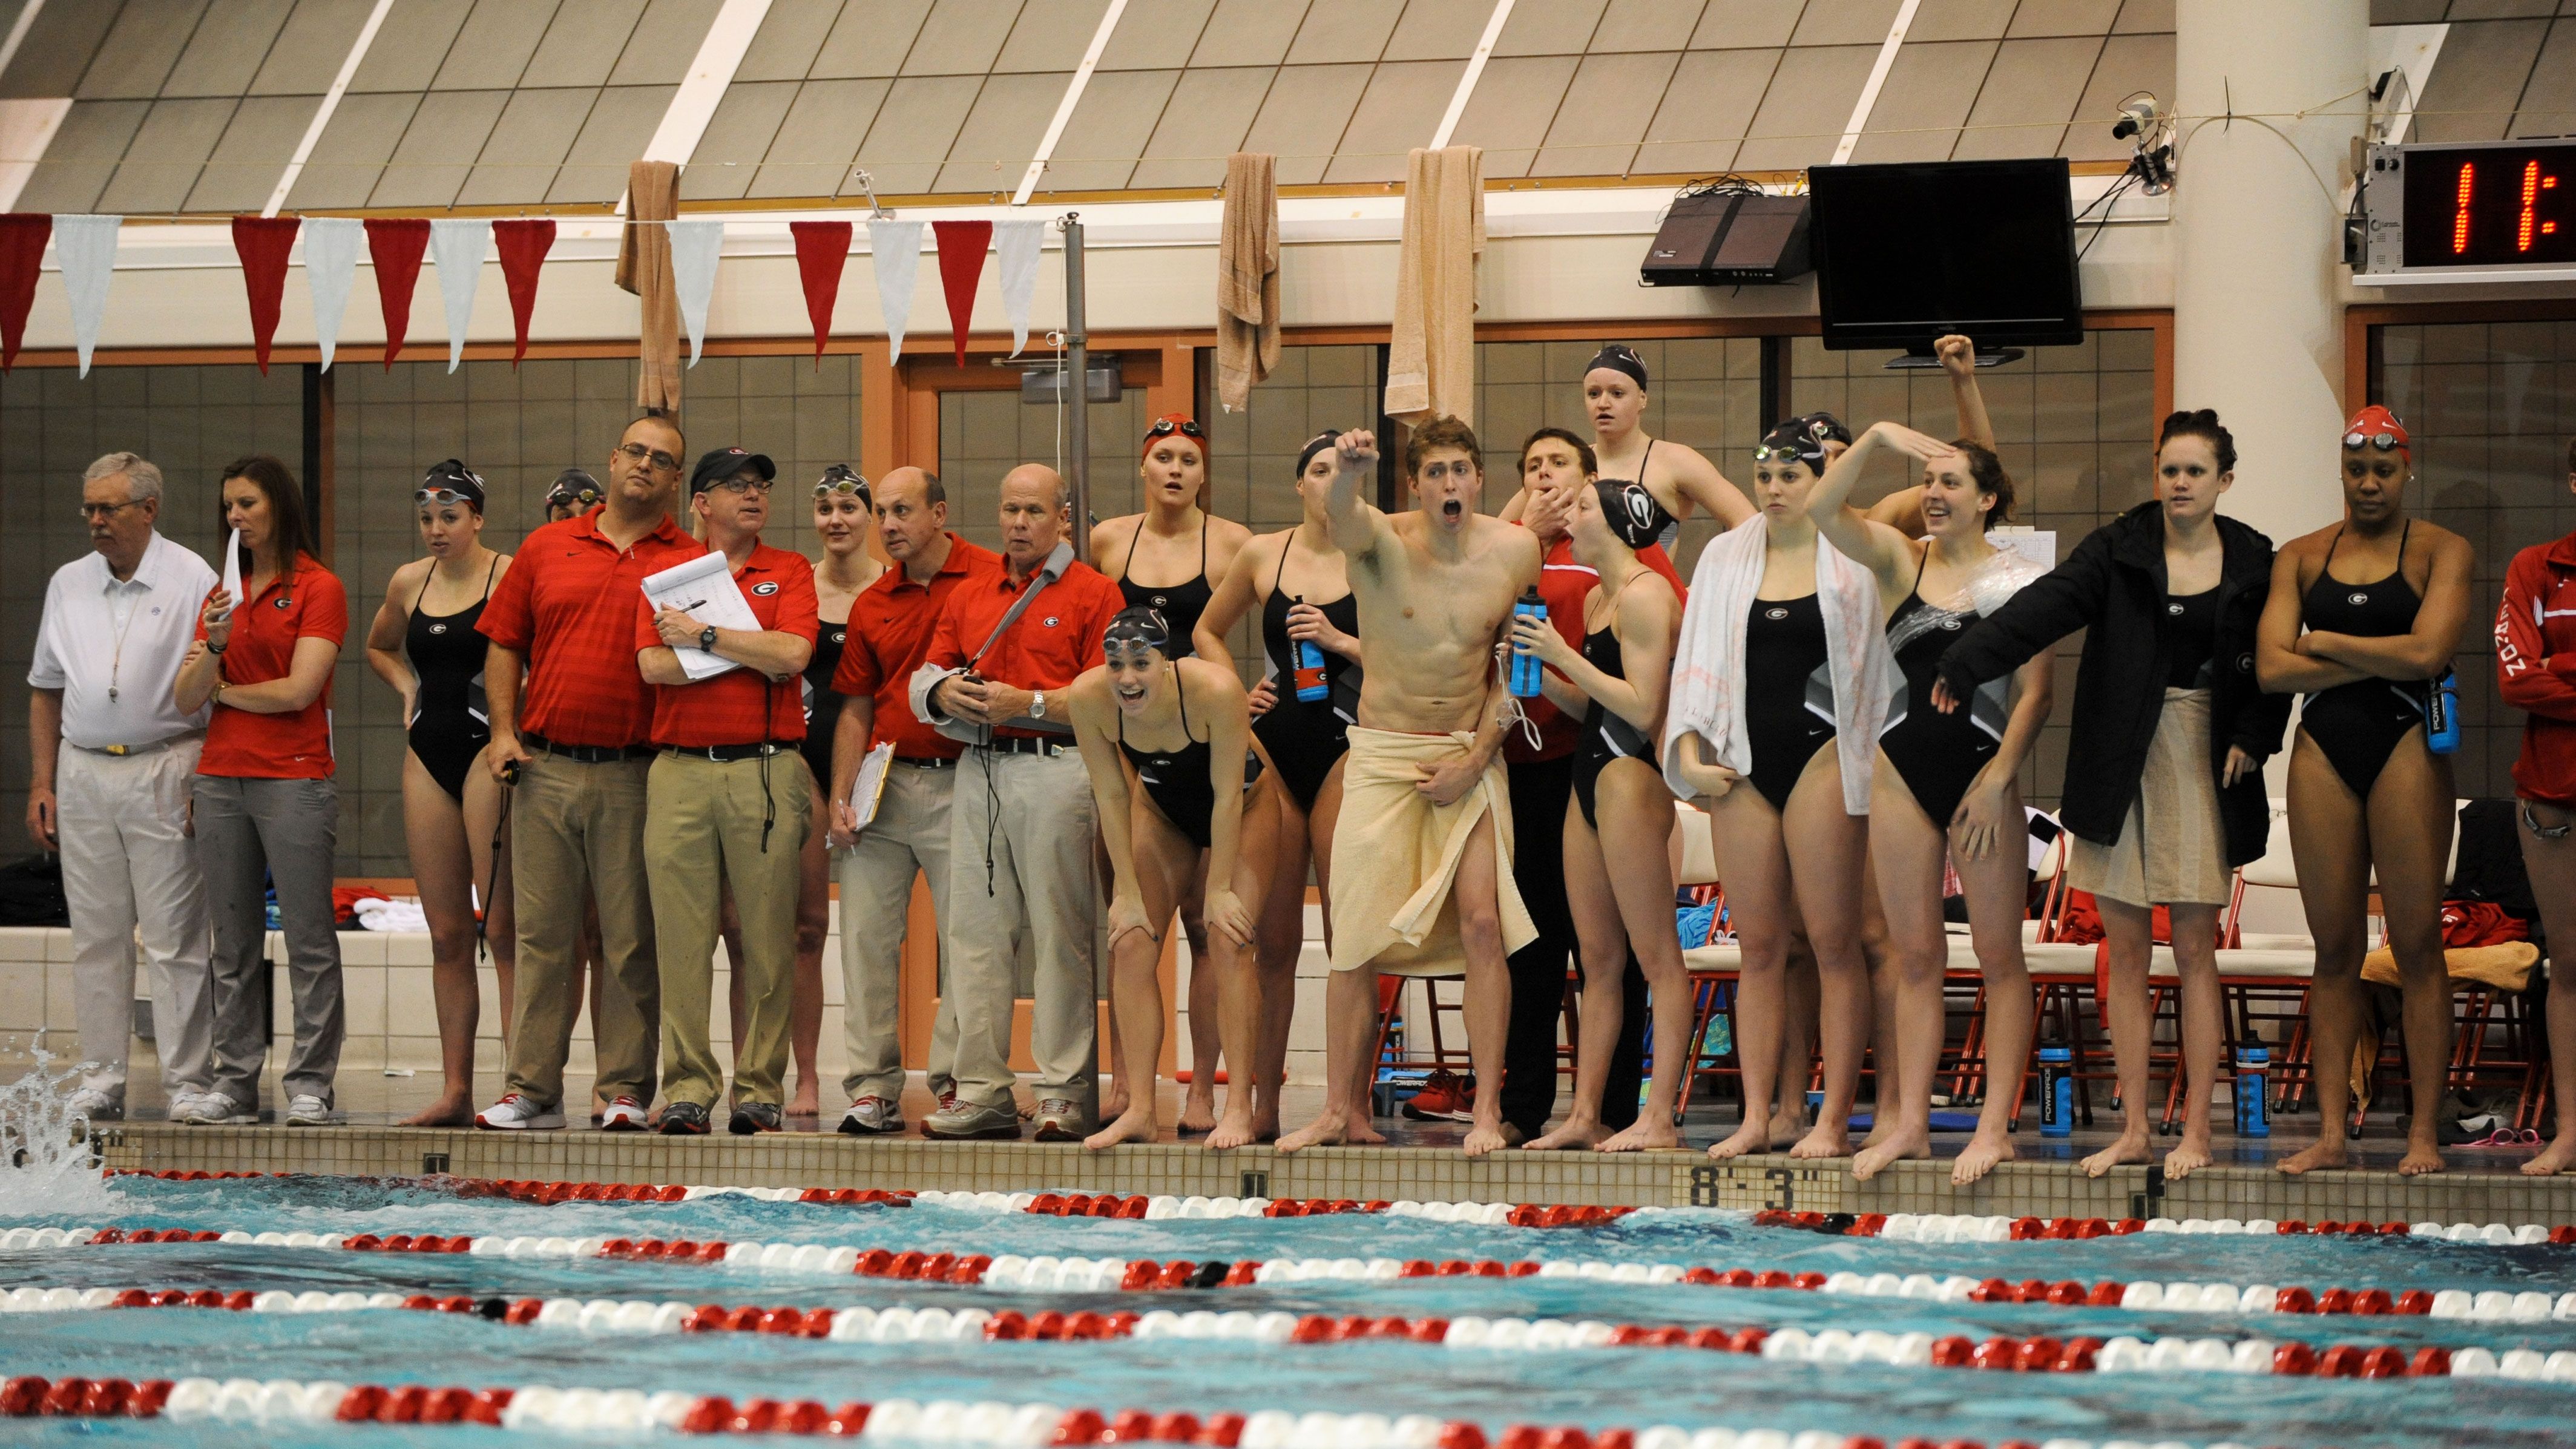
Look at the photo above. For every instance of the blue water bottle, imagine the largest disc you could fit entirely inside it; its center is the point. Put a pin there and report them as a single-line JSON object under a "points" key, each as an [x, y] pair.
{"points": [[1312, 687], [2253, 1071], [2442, 714], [2056, 1086], [1525, 665]]}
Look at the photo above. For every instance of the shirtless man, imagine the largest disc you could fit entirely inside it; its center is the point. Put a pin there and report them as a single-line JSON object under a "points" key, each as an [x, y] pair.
{"points": [[1426, 828]]}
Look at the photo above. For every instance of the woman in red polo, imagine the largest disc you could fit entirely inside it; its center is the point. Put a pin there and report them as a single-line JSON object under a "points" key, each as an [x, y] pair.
{"points": [[266, 809]]}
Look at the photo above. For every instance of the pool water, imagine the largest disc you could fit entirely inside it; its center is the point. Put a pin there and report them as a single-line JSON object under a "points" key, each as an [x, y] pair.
{"points": [[1494, 1387]]}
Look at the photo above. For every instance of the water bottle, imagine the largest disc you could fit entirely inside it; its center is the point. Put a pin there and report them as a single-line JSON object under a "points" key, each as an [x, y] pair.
{"points": [[1311, 688], [1525, 665], [2056, 1086], [2442, 714], [2253, 1071]]}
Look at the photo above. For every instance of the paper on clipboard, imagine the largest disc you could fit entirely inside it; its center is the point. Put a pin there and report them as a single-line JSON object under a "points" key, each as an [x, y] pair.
{"points": [[704, 589], [869, 787], [232, 569]]}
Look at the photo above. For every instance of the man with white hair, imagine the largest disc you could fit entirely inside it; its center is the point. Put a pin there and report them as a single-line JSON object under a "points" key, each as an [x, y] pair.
{"points": [[113, 756]]}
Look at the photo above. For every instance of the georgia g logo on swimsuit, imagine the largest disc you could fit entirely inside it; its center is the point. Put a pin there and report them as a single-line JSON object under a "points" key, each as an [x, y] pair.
{"points": [[2173, 611], [1775, 613], [840, 636], [765, 590], [1953, 624], [2357, 597], [2244, 663], [438, 628]]}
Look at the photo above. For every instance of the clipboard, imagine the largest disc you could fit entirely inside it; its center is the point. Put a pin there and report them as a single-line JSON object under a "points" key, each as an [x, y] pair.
{"points": [[869, 787], [705, 588]]}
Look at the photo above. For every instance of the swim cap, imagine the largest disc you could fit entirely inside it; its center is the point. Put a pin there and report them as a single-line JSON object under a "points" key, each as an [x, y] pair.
{"points": [[2378, 427], [1137, 628], [1170, 423], [1617, 357], [449, 480], [1320, 443], [1792, 441], [1629, 510]]}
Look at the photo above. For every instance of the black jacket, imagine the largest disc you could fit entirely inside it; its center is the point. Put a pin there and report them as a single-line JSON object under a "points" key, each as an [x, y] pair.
{"points": [[2114, 585]]}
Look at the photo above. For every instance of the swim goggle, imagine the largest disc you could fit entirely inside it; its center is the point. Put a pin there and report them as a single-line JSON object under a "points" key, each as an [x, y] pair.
{"points": [[449, 482], [2381, 441], [578, 497], [1785, 452], [1164, 427], [840, 479], [445, 496]]}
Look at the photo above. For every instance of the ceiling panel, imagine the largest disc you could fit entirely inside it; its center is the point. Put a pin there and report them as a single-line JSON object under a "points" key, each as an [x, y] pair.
{"points": [[2129, 63], [1248, 32], [1845, 22], [61, 41], [1001, 133], [2475, 80], [444, 136], [530, 140], [83, 156], [1804, 112], [1208, 116], [139, 49], [230, 43], [349, 159], [1936, 20], [310, 50], [1615, 97], [1748, 24], [666, 39], [961, 37], [1052, 36], [871, 38], [810, 156], [1515, 101], [610, 140], [494, 46], [1562, 28], [1110, 127], [2063, 17], [914, 129], [1303, 118], [736, 138], [583, 42], [1705, 110], [160, 166], [2142, 17], [413, 42], [1647, 25], [256, 146], [784, 46], [1156, 34], [1439, 29], [1924, 101], [2548, 104], [1339, 31], [2028, 97], [1400, 109]]}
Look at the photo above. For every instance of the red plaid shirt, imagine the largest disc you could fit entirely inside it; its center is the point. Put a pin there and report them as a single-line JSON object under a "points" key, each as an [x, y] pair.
{"points": [[567, 605]]}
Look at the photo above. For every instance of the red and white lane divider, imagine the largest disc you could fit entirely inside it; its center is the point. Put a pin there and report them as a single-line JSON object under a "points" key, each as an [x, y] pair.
{"points": [[1961, 1228], [290, 1402], [2493, 1306]]}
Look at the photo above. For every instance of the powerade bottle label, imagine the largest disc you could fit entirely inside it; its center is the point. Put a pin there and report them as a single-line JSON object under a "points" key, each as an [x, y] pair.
{"points": [[1525, 666], [2442, 714], [2056, 1093], [1311, 688], [2253, 1072]]}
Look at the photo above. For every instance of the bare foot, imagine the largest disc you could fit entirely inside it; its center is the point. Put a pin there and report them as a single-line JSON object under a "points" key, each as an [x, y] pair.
{"points": [[456, 1109], [2324, 1152], [1823, 1140], [1325, 1131], [1486, 1137], [1750, 1138], [1360, 1131], [1899, 1145], [1112, 1107], [1265, 1121], [1513, 1136], [2555, 1158], [2420, 1158], [1651, 1132], [1126, 1127], [1979, 1158], [1577, 1133], [1198, 1110], [1235, 1129], [806, 1102], [2190, 1157], [1786, 1129], [2132, 1147]]}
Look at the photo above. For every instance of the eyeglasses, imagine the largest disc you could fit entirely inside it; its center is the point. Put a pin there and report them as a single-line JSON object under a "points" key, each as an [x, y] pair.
{"points": [[1165, 427], [2381, 441], [839, 479], [739, 485], [637, 453], [100, 512], [444, 496]]}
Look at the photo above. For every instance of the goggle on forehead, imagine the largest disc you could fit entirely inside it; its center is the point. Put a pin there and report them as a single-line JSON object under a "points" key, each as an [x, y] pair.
{"points": [[839, 478], [1788, 452], [2382, 441]]}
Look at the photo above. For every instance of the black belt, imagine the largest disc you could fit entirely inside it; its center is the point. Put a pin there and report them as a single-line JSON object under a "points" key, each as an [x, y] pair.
{"points": [[1016, 745], [585, 754], [927, 762], [727, 754]]}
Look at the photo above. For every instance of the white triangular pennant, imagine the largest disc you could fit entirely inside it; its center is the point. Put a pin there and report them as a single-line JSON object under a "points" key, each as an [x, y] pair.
{"points": [[458, 246], [894, 249], [695, 246], [331, 246], [1016, 244], [85, 249]]}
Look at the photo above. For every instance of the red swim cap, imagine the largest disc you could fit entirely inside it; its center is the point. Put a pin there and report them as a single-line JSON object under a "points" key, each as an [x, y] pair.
{"points": [[2378, 427], [1171, 423]]}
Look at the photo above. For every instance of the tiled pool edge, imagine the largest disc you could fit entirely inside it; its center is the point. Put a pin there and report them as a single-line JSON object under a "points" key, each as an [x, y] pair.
{"points": [[1667, 1179]]}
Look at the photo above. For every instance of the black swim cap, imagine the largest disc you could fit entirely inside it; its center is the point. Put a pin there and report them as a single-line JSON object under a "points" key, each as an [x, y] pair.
{"points": [[450, 480], [1629, 510], [1619, 358], [1321, 442], [1139, 626]]}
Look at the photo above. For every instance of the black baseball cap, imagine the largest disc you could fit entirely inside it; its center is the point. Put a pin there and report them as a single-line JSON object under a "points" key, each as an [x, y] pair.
{"points": [[723, 463]]}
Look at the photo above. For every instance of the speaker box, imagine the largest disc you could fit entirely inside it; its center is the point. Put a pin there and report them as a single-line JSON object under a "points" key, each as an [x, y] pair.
{"points": [[1713, 239]]}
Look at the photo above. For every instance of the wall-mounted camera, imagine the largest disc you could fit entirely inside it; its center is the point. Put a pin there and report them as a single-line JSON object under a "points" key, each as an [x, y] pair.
{"points": [[2149, 132]]}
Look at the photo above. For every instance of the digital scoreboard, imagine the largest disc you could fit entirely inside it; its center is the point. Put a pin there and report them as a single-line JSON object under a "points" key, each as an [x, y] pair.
{"points": [[2474, 211]]}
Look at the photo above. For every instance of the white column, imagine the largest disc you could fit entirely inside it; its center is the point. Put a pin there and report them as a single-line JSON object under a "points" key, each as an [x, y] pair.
{"points": [[2257, 219]]}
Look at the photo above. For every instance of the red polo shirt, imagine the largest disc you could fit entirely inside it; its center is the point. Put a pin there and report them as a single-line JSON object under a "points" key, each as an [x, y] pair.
{"points": [[1562, 583], [306, 602], [740, 706], [890, 628], [567, 606], [1048, 646]]}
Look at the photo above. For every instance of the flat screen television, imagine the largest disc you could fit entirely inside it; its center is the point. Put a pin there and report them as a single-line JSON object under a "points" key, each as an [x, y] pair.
{"points": [[1907, 252]]}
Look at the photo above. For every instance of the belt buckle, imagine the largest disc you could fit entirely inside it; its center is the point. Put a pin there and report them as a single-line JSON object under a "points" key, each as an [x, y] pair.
{"points": [[116, 749]]}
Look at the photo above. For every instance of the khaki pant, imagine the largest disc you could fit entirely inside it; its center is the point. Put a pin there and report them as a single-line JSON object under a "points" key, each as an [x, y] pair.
{"points": [[577, 834], [909, 837], [1031, 817], [703, 829], [130, 871]]}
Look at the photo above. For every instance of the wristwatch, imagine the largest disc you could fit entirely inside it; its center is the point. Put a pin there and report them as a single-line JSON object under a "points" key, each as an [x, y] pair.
{"points": [[1037, 705], [707, 638]]}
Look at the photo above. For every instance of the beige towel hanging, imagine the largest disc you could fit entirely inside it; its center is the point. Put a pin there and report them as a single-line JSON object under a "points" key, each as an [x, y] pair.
{"points": [[1247, 278], [644, 268], [1431, 364]]}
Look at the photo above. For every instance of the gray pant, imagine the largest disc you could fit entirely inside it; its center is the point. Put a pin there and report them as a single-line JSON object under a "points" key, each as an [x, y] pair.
{"points": [[909, 837], [129, 871], [250, 832], [1032, 817]]}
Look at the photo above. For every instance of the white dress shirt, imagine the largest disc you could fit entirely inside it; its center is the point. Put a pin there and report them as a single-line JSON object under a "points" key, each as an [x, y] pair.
{"points": [[113, 647]]}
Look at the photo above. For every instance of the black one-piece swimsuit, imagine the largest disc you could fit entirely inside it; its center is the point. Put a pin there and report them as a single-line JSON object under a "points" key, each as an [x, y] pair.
{"points": [[1305, 737], [2359, 725], [451, 726], [1789, 702], [1939, 755], [1177, 781], [822, 705], [1180, 604]]}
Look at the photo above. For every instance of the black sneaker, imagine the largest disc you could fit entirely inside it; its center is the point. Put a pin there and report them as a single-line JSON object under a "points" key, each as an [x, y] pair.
{"points": [[683, 1119], [752, 1117]]}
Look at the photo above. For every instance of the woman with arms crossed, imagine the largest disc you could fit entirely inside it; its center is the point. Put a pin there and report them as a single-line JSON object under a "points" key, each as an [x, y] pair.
{"points": [[1204, 819], [2362, 616], [424, 645]]}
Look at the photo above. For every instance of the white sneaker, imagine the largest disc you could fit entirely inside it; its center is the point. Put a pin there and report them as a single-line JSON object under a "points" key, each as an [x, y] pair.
{"points": [[214, 1109], [624, 1115], [307, 1110], [184, 1101], [516, 1113], [96, 1106]]}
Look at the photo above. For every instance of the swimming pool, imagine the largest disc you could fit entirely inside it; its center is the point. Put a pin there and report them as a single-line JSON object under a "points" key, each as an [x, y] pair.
{"points": [[1539, 1345]]}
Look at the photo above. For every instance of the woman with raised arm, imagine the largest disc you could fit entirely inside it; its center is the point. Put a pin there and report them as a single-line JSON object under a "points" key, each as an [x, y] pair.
{"points": [[1297, 580], [1618, 874], [1780, 683], [423, 644], [1947, 783], [2363, 619], [1205, 822], [2164, 767], [1175, 538], [2535, 648]]}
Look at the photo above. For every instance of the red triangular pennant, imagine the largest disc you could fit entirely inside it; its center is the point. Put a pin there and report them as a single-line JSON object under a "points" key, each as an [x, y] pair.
{"points": [[962, 245], [22, 254], [262, 243], [821, 248], [523, 245], [394, 248]]}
